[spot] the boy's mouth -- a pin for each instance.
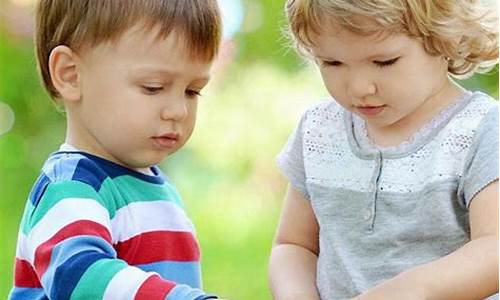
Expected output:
(166, 141)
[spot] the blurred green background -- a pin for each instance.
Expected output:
(226, 173)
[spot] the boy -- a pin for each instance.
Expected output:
(102, 221)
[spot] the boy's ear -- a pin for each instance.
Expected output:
(64, 72)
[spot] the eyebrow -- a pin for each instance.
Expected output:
(389, 55)
(165, 72)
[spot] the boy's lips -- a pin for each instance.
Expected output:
(369, 110)
(166, 141)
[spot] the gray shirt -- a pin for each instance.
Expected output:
(383, 211)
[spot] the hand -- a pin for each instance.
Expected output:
(388, 296)
(400, 287)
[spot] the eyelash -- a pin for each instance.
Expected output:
(386, 63)
(380, 64)
(193, 93)
(152, 90)
(326, 63)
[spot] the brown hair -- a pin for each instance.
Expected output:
(437, 23)
(83, 23)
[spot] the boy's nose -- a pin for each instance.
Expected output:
(175, 109)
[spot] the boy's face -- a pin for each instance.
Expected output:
(387, 80)
(139, 98)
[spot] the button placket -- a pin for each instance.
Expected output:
(367, 215)
(370, 213)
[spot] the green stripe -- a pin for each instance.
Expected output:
(96, 278)
(133, 190)
(113, 195)
(28, 210)
(57, 192)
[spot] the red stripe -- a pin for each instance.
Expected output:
(159, 246)
(25, 276)
(84, 227)
(154, 288)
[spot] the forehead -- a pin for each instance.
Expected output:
(340, 42)
(147, 37)
(147, 51)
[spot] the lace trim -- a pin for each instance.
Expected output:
(443, 117)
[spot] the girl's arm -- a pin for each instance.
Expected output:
(471, 272)
(292, 266)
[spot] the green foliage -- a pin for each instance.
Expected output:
(226, 173)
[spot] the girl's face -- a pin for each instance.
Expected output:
(389, 81)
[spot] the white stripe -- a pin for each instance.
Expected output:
(140, 217)
(125, 284)
(21, 250)
(63, 213)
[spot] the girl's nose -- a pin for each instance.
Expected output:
(359, 87)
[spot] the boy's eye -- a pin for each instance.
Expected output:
(332, 63)
(193, 93)
(386, 63)
(151, 90)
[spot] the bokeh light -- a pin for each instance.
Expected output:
(7, 118)
(226, 173)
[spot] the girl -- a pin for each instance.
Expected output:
(394, 184)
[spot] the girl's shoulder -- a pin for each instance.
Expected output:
(326, 111)
(479, 110)
(482, 101)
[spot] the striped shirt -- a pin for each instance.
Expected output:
(93, 229)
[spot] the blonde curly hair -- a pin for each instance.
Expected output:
(463, 31)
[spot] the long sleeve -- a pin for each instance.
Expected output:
(67, 248)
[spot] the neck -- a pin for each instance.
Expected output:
(82, 139)
(403, 129)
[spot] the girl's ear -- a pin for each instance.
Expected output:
(64, 72)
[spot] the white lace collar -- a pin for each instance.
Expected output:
(361, 142)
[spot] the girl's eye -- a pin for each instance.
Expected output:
(386, 63)
(333, 63)
(151, 90)
(193, 93)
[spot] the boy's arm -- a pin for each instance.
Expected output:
(292, 266)
(70, 246)
(471, 272)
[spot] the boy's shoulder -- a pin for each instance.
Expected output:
(76, 166)
(80, 174)
(73, 170)
(92, 170)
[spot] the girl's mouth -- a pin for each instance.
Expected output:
(370, 111)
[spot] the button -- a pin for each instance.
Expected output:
(367, 215)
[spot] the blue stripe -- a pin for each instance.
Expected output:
(181, 272)
(114, 170)
(72, 247)
(91, 169)
(205, 297)
(68, 274)
(19, 293)
(182, 291)
(88, 172)
(61, 167)
(38, 189)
